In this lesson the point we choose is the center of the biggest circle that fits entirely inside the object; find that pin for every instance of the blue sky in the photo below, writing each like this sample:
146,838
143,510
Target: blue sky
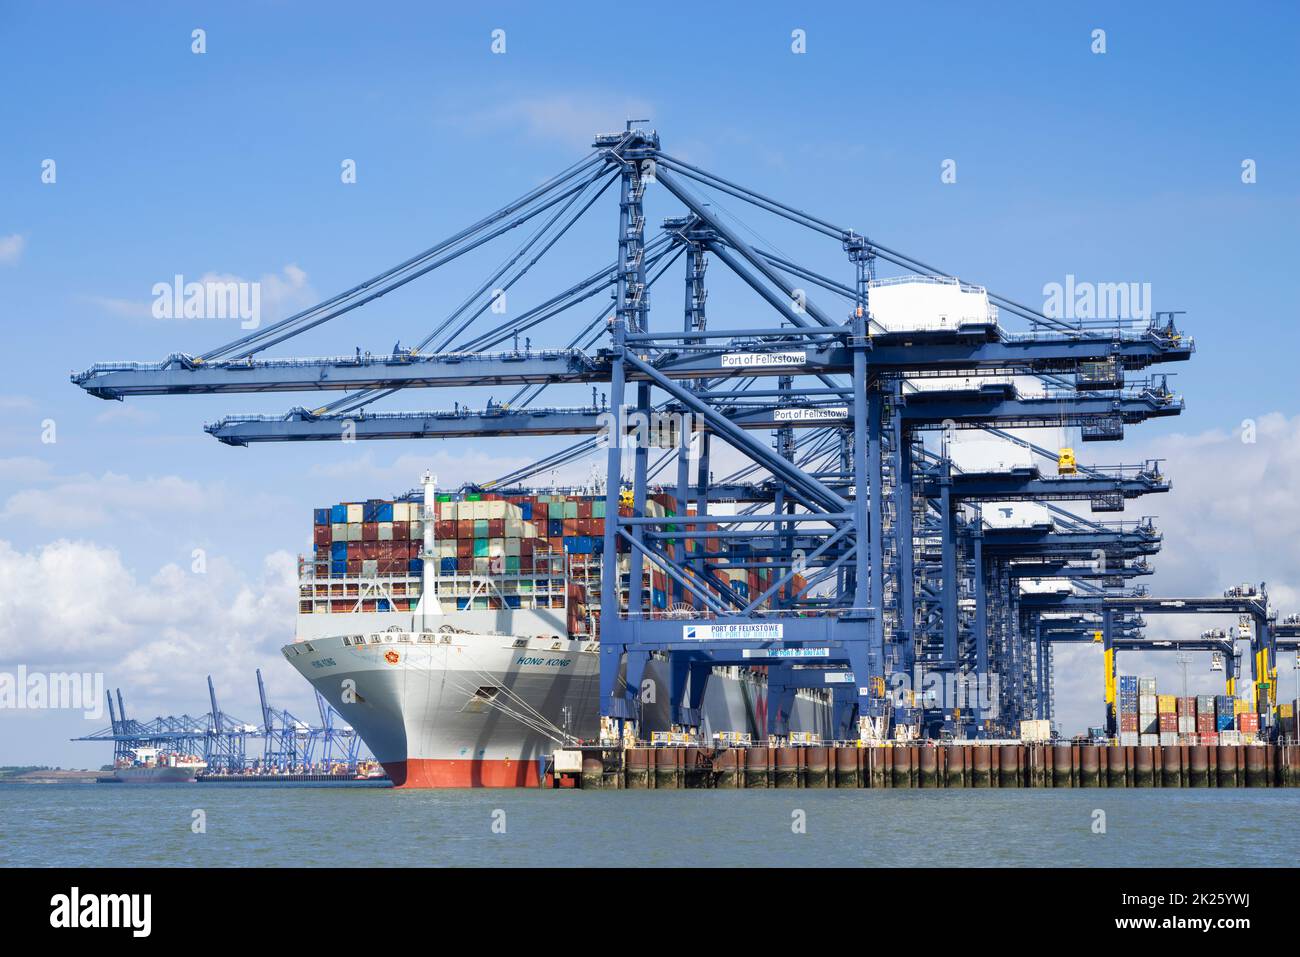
1115,167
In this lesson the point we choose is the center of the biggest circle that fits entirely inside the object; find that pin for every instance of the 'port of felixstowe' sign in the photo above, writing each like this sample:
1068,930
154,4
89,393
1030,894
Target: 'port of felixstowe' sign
745,360
812,413
741,631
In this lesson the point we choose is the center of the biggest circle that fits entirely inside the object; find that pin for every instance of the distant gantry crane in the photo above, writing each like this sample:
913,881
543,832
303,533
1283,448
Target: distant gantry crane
923,587
222,740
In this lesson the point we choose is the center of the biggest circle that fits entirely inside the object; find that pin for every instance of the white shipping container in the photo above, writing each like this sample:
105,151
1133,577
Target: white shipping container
1129,739
401,511
1168,739
369,568
1187,724
416,531
354,530
1147,703
339,532
356,514
1146,685
1149,740
385,531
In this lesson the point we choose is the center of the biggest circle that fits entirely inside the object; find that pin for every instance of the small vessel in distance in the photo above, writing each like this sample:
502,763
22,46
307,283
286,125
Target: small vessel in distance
152,766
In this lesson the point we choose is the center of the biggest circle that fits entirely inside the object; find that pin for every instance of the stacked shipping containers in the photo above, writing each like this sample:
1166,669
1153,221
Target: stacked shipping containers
513,537
1148,718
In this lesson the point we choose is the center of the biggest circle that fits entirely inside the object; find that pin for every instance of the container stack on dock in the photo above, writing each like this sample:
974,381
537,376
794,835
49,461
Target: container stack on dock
1150,719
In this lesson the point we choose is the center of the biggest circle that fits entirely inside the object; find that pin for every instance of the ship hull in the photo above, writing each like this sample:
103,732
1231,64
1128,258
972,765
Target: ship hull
161,775
469,709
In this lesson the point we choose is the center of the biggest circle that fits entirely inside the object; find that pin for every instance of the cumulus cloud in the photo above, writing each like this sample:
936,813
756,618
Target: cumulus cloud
85,500
76,606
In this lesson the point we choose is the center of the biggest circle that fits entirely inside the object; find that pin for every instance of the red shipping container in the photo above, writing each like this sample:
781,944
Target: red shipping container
465,548
526,548
354,567
354,551
496,528
1204,723
1169,722
370,531
401,531
1128,721
1248,721
446,529
584,508
465,528
1210,737
465,565
322,535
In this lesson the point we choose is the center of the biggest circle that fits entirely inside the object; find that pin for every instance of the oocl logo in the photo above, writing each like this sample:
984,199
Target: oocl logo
392,657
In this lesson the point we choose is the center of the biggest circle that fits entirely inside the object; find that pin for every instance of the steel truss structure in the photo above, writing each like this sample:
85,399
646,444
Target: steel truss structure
910,591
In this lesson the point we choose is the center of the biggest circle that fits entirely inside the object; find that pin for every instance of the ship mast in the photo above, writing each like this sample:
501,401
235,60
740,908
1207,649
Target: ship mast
429,606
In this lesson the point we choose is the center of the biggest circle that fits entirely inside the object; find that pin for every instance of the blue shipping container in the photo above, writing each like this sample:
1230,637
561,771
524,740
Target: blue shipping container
338,568
578,545
449,566
338,550
322,516
385,512
526,511
338,514
415,566
554,528
370,512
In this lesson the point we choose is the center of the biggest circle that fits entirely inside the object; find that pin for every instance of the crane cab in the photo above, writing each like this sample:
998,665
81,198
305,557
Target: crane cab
1065,463
626,498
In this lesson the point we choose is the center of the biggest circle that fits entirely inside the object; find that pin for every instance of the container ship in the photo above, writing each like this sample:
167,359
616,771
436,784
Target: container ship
459,634
152,766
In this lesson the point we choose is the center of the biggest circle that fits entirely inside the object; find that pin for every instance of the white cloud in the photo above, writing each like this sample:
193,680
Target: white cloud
11,249
282,294
86,500
569,119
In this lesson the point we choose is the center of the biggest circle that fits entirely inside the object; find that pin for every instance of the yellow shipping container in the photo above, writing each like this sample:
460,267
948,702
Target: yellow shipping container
1285,711
1167,704
1240,706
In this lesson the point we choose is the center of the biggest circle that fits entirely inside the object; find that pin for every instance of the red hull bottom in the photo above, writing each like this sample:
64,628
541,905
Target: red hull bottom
451,773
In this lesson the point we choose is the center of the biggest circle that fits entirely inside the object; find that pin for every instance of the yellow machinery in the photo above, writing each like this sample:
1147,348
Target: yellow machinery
626,498
1065,463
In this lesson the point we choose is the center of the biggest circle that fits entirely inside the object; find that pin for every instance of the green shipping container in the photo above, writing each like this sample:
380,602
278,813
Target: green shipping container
480,528
480,548
598,508
473,497
555,510
512,564
570,509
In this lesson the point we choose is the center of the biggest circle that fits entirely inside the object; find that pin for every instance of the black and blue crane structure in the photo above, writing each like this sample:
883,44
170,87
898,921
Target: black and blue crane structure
843,420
